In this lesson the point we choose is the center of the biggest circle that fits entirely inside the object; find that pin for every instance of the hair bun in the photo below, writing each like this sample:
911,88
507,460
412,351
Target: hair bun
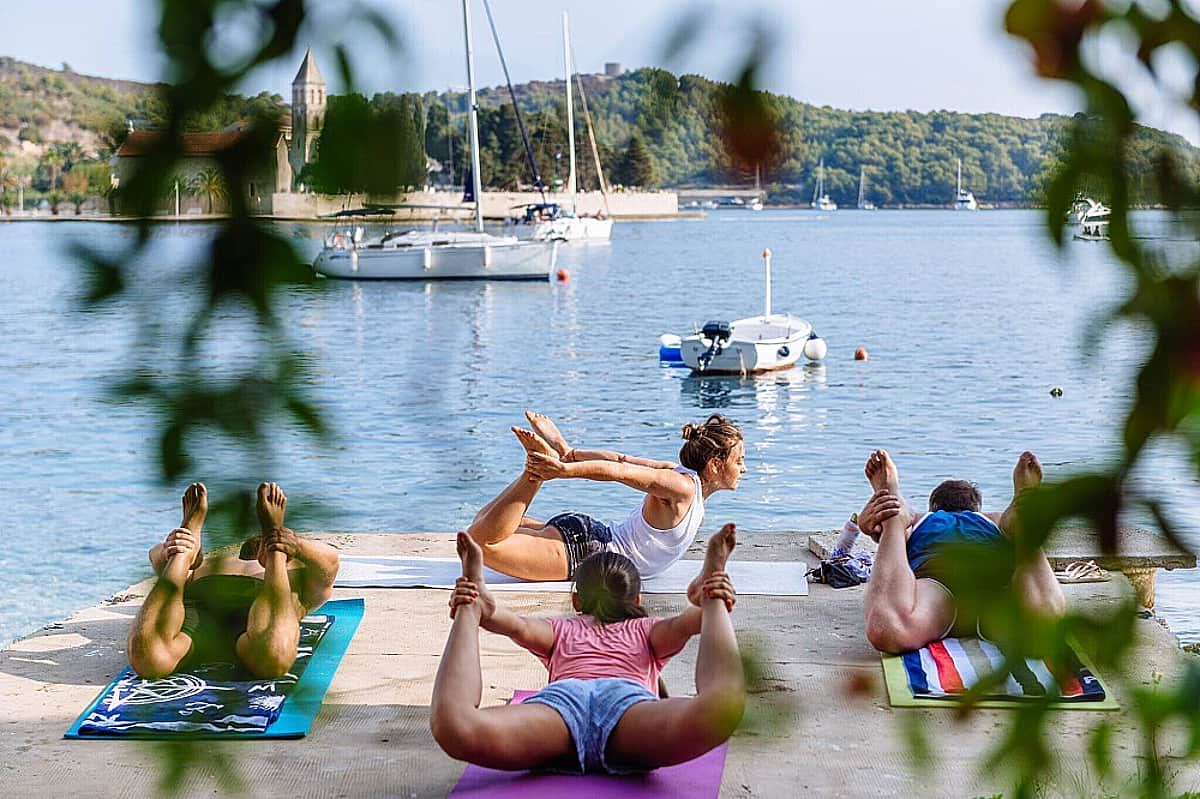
690,430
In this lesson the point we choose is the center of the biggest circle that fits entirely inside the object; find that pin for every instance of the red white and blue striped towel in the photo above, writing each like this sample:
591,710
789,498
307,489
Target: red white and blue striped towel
948,668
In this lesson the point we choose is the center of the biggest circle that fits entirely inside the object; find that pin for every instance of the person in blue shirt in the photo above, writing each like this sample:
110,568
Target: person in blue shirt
933,571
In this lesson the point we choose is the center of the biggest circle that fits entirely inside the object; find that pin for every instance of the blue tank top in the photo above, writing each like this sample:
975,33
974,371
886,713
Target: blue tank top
941,529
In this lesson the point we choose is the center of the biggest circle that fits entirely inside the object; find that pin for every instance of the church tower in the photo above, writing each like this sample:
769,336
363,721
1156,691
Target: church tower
308,111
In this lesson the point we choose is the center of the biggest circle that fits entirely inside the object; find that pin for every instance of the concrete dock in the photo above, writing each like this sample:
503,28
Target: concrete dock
818,720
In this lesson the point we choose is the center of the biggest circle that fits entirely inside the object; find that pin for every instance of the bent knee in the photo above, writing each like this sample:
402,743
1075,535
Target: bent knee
891,636
722,714
152,665
454,733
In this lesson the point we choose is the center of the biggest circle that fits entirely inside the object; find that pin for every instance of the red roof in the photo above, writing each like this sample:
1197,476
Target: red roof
194,144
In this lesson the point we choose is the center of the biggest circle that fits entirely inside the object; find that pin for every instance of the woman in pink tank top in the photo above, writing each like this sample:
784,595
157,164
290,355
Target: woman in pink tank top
600,710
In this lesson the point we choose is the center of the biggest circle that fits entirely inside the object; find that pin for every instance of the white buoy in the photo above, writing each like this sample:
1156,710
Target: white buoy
669,340
815,349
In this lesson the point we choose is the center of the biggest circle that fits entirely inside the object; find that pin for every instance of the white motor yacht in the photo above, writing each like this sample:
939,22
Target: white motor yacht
755,344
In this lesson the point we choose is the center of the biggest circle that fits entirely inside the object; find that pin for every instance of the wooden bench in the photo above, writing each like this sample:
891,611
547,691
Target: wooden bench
1142,553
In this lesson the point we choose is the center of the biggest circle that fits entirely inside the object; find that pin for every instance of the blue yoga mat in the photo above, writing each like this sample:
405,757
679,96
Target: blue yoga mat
299,705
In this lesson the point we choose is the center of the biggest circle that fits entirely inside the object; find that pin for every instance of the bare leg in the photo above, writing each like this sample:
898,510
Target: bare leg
1033,582
512,737
903,613
671,731
501,517
512,542
268,647
156,642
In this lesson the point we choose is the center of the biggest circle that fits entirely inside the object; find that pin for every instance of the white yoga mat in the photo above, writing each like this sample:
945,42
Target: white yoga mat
774,578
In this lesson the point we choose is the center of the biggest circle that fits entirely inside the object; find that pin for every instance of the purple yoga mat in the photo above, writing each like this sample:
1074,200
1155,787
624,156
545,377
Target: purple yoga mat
695,779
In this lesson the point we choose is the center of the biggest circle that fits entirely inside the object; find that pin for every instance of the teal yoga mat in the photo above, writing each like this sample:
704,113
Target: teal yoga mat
302,702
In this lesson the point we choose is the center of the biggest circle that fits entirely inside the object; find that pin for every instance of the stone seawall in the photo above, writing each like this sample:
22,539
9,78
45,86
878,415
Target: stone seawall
426,205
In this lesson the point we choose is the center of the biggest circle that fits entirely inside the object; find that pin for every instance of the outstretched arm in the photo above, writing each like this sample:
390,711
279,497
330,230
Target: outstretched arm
531,633
576,455
669,636
662,483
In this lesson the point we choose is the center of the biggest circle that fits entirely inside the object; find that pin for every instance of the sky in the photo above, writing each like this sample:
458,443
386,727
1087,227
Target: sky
856,54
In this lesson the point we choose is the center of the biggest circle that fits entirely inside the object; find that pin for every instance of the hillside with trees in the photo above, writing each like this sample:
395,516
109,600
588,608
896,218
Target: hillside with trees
654,129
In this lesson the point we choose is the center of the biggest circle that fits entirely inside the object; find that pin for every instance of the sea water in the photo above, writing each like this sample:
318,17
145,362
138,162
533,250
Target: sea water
969,321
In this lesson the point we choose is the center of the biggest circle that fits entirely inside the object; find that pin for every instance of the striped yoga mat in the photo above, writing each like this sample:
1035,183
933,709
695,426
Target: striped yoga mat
950,667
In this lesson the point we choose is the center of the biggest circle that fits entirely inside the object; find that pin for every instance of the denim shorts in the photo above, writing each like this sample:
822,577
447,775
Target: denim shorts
582,536
591,710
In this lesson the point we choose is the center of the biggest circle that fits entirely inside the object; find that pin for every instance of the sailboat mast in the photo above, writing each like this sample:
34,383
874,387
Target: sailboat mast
587,116
958,187
571,187
474,113
862,176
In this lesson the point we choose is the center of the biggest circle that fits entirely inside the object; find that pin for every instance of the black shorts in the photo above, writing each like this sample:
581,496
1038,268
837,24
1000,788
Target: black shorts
582,536
215,609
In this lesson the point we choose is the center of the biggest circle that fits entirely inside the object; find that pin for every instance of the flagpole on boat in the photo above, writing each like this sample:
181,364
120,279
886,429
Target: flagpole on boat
474,115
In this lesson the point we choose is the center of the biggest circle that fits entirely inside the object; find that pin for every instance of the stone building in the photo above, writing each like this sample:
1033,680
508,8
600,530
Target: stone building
292,147
308,114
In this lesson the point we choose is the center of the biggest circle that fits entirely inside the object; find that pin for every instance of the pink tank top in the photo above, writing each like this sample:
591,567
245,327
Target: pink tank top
586,650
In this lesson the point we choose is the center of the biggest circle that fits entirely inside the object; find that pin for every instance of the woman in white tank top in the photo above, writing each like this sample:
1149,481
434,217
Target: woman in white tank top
654,535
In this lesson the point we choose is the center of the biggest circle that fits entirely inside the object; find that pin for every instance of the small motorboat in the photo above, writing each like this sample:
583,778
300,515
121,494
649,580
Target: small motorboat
744,346
1093,220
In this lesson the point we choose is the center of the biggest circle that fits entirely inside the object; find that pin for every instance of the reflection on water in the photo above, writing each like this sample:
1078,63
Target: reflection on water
766,391
969,319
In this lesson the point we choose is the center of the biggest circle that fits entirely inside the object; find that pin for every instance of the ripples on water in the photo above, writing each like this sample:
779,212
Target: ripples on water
969,319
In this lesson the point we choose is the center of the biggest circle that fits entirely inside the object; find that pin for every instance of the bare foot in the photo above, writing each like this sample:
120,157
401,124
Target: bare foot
195,509
548,430
882,473
271,505
716,555
1027,473
720,547
471,555
533,443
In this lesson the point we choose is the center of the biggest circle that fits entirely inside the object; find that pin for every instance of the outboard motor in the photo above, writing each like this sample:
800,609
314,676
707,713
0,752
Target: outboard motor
718,334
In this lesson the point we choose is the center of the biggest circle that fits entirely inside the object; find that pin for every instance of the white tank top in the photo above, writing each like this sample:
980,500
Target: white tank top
653,550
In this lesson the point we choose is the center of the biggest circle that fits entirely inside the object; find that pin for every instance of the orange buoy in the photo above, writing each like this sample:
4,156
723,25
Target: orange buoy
860,354
563,275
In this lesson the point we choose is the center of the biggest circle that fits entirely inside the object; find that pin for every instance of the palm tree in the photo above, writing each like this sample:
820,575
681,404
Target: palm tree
210,185
53,160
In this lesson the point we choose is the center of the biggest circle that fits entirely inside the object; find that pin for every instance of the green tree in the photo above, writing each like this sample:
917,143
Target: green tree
208,184
75,185
637,168
53,161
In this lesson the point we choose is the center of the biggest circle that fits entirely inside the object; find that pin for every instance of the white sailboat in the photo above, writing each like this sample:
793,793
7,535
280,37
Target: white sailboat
440,255
863,203
964,200
821,200
568,225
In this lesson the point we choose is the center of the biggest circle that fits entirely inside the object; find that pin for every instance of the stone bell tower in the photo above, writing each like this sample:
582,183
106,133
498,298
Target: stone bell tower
308,112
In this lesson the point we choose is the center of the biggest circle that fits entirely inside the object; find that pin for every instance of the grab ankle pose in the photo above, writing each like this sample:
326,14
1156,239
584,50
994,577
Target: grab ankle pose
600,711
654,535
227,609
